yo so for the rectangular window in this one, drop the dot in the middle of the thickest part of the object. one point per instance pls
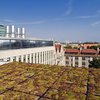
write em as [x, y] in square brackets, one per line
[14, 58]
[83, 63]
[67, 62]
[76, 58]
[83, 58]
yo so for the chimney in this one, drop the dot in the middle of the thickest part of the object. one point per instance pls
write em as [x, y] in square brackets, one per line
[23, 33]
[18, 32]
[13, 31]
[7, 31]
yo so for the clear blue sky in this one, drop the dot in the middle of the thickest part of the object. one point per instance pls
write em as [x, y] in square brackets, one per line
[63, 20]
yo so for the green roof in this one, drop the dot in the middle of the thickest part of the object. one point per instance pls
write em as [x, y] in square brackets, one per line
[26, 81]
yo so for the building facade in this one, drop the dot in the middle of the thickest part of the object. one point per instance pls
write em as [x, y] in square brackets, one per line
[2, 31]
[29, 51]
[14, 46]
[39, 55]
[80, 58]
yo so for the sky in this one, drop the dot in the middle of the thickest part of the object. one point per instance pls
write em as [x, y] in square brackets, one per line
[61, 20]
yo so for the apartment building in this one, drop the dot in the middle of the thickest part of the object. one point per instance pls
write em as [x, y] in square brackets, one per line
[80, 58]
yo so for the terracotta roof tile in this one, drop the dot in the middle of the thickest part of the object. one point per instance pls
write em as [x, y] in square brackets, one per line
[88, 51]
[72, 51]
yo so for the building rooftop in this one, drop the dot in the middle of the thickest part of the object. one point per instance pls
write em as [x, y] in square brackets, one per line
[83, 51]
[45, 82]
[6, 38]
[92, 51]
[72, 51]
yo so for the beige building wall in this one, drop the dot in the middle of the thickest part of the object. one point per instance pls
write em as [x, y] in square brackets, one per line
[41, 55]
[70, 61]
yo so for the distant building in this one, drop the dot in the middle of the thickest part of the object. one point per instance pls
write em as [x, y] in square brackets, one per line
[2, 31]
[73, 45]
[80, 58]
[14, 46]
[87, 45]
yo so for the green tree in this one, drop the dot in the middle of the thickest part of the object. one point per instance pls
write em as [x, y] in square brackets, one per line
[93, 47]
[95, 63]
[75, 47]
[98, 46]
[68, 47]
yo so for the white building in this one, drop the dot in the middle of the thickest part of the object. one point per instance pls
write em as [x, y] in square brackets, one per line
[18, 48]
[80, 58]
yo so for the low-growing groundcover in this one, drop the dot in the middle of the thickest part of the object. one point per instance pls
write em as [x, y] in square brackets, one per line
[24, 81]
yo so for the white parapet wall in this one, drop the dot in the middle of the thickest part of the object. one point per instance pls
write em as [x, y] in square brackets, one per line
[41, 55]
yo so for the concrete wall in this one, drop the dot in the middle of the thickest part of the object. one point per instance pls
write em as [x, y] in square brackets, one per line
[42, 55]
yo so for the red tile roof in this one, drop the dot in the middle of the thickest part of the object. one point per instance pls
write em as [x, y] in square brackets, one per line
[84, 51]
[72, 51]
[89, 51]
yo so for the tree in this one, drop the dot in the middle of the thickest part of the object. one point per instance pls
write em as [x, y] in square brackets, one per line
[93, 47]
[68, 47]
[75, 47]
[95, 63]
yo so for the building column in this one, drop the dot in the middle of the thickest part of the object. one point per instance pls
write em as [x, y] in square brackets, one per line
[42, 57]
[91, 59]
[87, 62]
[49, 57]
[30, 58]
[73, 61]
[34, 58]
[11, 59]
[69, 61]
[17, 58]
[26, 59]
[22, 58]
[80, 62]
[37, 58]
[46, 57]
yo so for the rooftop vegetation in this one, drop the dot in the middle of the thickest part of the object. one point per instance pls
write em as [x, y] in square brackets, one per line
[22, 81]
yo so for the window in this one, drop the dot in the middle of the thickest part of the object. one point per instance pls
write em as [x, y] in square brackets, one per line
[8, 59]
[24, 58]
[19, 58]
[15, 44]
[67, 62]
[83, 63]
[25, 43]
[28, 57]
[41, 56]
[83, 58]
[4, 44]
[14, 58]
[67, 57]
[76, 58]
[76, 64]
[32, 57]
